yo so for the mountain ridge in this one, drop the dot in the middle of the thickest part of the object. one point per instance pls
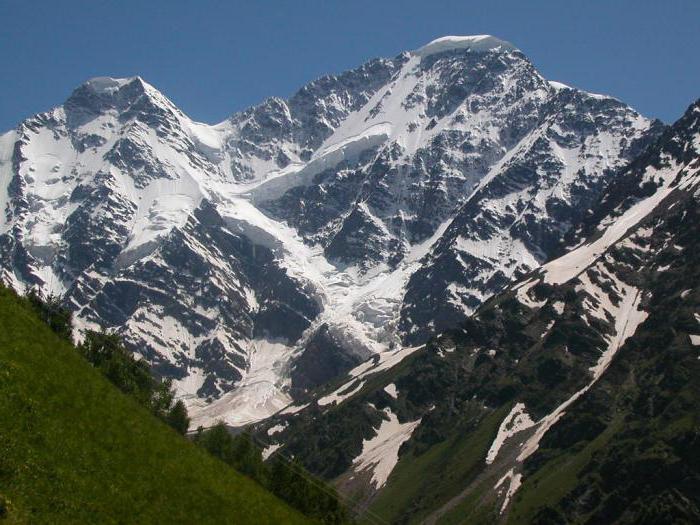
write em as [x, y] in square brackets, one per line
[579, 361]
[340, 196]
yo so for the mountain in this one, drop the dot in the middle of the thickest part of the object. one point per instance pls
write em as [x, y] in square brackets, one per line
[76, 450]
[261, 258]
[568, 397]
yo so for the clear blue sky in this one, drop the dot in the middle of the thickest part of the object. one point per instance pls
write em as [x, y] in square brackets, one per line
[215, 58]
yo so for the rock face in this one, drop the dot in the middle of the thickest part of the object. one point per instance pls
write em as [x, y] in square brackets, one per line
[569, 396]
[368, 212]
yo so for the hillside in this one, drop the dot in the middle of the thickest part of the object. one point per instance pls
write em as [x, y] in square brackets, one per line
[73, 449]
[571, 397]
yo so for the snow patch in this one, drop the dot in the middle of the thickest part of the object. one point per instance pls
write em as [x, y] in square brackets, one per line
[293, 409]
[276, 429]
[341, 394]
[108, 85]
[558, 307]
[516, 421]
[514, 482]
[268, 451]
[381, 452]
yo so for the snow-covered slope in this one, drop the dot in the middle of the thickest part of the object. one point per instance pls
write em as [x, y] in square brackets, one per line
[367, 212]
[533, 369]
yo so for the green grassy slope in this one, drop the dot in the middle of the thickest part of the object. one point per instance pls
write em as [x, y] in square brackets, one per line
[73, 449]
[629, 451]
[426, 482]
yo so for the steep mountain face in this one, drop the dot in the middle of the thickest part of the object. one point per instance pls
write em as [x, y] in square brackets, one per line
[269, 254]
[569, 397]
[111, 203]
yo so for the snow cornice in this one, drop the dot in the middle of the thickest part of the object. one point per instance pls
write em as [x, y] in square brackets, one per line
[476, 43]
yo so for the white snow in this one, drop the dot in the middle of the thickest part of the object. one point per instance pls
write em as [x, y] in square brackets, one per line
[341, 394]
[276, 429]
[269, 450]
[391, 390]
[694, 339]
[514, 481]
[477, 43]
[558, 307]
[293, 409]
[574, 262]
[102, 85]
[516, 421]
[385, 361]
[547, 329]
[327, 156]
[381, 452]
[260, 394]
[558, 85]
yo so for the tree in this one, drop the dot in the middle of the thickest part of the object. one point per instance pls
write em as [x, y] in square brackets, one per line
[287, 480]
[106, 352]
[133, 377]
[53, 313]
[218, 441]
[177, 418]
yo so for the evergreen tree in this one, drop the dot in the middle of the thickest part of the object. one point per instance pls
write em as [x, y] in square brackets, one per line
[248, 457]
[287, 480]
[53, 313]
[218, 441]
[177, 418]
[106, 352]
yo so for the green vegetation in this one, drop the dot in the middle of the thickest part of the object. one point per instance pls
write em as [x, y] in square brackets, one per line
[51, 311]
[177, 417]
[107, 353]
[73, 449]
[555, 479]
[473, 509]
[627, 452]
[287, 480]
[425, 482]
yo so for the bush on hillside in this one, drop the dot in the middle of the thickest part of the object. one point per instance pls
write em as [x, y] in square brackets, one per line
[53, 313]
[106, 352]
[287, 480]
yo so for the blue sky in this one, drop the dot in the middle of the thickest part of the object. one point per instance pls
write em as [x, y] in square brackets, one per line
[215, 58]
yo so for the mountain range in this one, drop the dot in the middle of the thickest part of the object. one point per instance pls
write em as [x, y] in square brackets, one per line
[439, 263]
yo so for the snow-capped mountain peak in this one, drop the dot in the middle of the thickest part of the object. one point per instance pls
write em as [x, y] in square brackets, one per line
[370, 210]
[475, 43]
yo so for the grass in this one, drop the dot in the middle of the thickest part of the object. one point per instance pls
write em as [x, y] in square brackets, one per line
[73, 449]
[471, 509]
[552, 482]
[422, 484]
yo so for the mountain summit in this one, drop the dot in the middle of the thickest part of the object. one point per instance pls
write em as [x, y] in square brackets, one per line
[475, 43]
[257, 259]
